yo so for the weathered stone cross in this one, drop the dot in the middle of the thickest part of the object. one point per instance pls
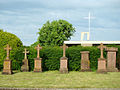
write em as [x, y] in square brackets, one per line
[25, 53]
[8, 48]
[38, 50]
[101, 47]
[64, 47]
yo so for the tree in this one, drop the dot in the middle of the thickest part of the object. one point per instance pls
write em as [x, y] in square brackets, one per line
[9, 38]
[55, 32]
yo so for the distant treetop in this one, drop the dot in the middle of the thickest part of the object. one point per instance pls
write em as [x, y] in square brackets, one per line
[9, 38]
[55, 33]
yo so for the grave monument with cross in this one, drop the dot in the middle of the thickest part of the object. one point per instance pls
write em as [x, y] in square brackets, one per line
[64, 61]
[38, 60]
[7, 66]
[101, 60]
[25, 66]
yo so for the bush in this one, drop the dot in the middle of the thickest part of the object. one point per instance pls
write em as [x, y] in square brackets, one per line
[51, 57]
[9, 38]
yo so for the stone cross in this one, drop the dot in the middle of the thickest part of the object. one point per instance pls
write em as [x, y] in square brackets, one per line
[38, 50]
[25, 53]
[101, 47]
[64, 47]
[8, 48]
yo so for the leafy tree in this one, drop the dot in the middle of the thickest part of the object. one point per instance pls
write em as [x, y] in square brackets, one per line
[55, 32]
[9, 38]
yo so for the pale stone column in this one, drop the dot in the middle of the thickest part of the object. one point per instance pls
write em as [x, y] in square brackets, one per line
[111, 59]
[85, 63]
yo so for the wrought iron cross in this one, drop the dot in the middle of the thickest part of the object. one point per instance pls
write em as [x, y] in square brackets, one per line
[101, 47]
[25, 53]
[38, 50]
[8, 48]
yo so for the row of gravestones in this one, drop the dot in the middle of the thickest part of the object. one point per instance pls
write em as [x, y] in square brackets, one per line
[85, 63]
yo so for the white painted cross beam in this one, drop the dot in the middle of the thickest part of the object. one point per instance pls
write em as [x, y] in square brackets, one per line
[89, 20]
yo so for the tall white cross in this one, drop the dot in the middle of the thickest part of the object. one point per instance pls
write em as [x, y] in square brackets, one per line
[89, 18]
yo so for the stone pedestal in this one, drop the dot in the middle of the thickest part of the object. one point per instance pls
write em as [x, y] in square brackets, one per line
[7, 67]
[25, 67]
[63, 65]
[38, 65]
[111, 59]
[85, 63]
[101, 65]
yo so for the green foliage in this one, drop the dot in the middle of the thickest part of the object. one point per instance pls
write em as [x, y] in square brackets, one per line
[51, 57]
[9, 38]
[55, 33]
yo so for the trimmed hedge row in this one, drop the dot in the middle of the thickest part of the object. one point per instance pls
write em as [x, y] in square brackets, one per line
[51, 57]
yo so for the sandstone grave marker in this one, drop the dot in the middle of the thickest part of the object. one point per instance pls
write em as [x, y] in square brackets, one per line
[7, 66]
[38, 60]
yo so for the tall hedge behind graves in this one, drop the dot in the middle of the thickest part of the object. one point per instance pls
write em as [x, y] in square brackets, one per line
[51, 57]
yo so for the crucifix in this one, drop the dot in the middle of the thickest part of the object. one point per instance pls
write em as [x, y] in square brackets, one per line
[89, 19]
[64, 47]
[8, 48]
[101, 47]
[38, 50]
[25, 53]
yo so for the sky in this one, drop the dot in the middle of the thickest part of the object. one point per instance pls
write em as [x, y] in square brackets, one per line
[24, 17]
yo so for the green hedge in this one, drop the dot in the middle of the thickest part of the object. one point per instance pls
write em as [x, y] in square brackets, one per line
[51, 57]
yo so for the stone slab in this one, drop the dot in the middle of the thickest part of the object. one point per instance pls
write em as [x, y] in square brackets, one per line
[111, 59]
[85, 63]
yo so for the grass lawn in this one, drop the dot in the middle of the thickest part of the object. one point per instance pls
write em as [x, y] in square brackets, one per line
[53, 79]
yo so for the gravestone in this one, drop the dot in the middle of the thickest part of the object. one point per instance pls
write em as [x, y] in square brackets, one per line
[38, 60]
[101, 61]
[25, 66]
[64, 61]
[7, 65]
[85, 63]
[111, 59]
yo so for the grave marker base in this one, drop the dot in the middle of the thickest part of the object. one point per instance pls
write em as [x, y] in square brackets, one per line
[63, 65]
[25, 67]
[7, 67]
[38, 65]
[101, 65]
[112, 70]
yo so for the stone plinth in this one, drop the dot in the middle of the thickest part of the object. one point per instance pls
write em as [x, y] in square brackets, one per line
[111, 59]
[7, 67]
[38, 65]
[63, 65]
[25, 67]
[85, 63]
[101, 65]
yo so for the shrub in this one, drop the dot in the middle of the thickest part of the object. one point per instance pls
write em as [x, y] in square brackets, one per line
[51, 57]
